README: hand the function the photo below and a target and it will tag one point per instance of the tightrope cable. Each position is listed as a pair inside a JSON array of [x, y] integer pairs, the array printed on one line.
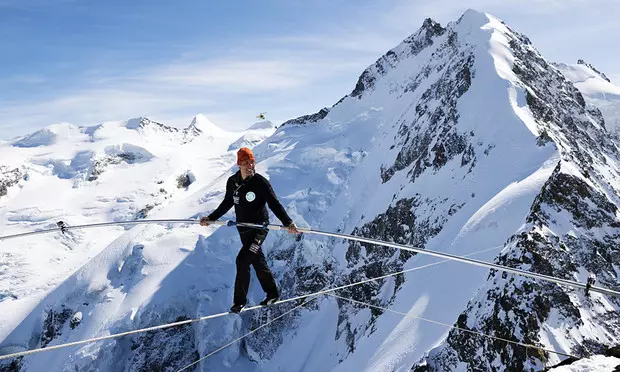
[[188, 321], [421, 250], [247, 334], [452, 326]]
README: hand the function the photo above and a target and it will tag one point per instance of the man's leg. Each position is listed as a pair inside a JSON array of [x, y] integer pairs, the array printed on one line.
[[242, 281], [264, 275]]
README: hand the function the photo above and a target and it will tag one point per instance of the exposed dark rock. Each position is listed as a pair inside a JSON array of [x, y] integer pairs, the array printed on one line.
[[602, 75], [423, 38], [52, 326], [543, 138], [9, 177], [183, 136], [99, 166], [308, 119], [514, 308], [613, 351], [183, 181], [566, 192], [437, 125], [146, 123], [304, 277], [400, 225], [14, 365], [144, 212], [76, 320], [168, 349]]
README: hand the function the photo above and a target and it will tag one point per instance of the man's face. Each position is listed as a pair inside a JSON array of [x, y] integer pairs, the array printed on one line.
[[247, 167]]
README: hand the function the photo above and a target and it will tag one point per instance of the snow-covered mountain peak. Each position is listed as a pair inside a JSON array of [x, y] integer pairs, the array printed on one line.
[[410, 47], [429, 29], [473, 18], [144, 123], [204, 125], [148, 127], [593, 69], [434, 45], [254, 135], [599, 92], [49, 135], [159, 132], [263, 124], [589, 80]]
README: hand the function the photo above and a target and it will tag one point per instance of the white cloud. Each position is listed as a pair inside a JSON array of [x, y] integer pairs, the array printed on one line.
[[295, 74], [233, 75], [86, 108], [348, 40], [245, 82], [249, 75], [177, 91]]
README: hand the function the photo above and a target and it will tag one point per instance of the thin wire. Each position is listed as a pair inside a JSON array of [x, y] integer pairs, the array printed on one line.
[[315, 296], [454, 327], [277, 227], [247, 334], [421, 250], [188, 321], [570, 283], [163, 326], [101, 224]]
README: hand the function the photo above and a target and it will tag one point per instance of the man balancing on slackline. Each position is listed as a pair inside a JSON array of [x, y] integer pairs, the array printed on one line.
[[249, 192]]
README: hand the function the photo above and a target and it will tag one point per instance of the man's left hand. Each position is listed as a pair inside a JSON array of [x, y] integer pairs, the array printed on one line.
[[292, 228]]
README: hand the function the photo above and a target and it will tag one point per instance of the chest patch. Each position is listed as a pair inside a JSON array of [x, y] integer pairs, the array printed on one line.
[[250, 196]]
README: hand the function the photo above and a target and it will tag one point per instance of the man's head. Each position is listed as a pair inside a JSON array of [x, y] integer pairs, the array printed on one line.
[[246, 162]]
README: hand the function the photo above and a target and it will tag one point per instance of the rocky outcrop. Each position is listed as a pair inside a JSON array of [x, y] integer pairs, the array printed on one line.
[[602, 75], [308, 119], [572, 230], [431, 138], [9, 177]]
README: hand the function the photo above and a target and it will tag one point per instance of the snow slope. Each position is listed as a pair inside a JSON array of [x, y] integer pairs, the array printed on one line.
[[114, 171], [597, 90], [571, 231], [254, 135], [593, 364]]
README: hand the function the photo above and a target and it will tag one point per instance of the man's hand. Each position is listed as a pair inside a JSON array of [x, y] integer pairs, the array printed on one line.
[[205, 221], [292, 228]]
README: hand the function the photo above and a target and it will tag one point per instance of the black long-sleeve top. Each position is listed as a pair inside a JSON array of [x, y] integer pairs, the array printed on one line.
[[249, 197]]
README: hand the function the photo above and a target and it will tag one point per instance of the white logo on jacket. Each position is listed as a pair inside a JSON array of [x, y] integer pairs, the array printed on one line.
[[250, 196]]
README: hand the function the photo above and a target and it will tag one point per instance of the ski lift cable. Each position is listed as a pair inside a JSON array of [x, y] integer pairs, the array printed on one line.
[[453, 327], [188, 321], [571, 283], [247, 334]]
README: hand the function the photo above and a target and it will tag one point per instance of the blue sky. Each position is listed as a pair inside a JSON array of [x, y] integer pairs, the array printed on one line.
[[86, 62]]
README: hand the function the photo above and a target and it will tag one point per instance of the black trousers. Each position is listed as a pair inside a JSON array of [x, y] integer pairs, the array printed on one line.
[[252, 254]]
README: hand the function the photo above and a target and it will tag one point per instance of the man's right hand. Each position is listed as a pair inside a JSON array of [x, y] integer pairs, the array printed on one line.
[[292, 228], [205, 221]]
